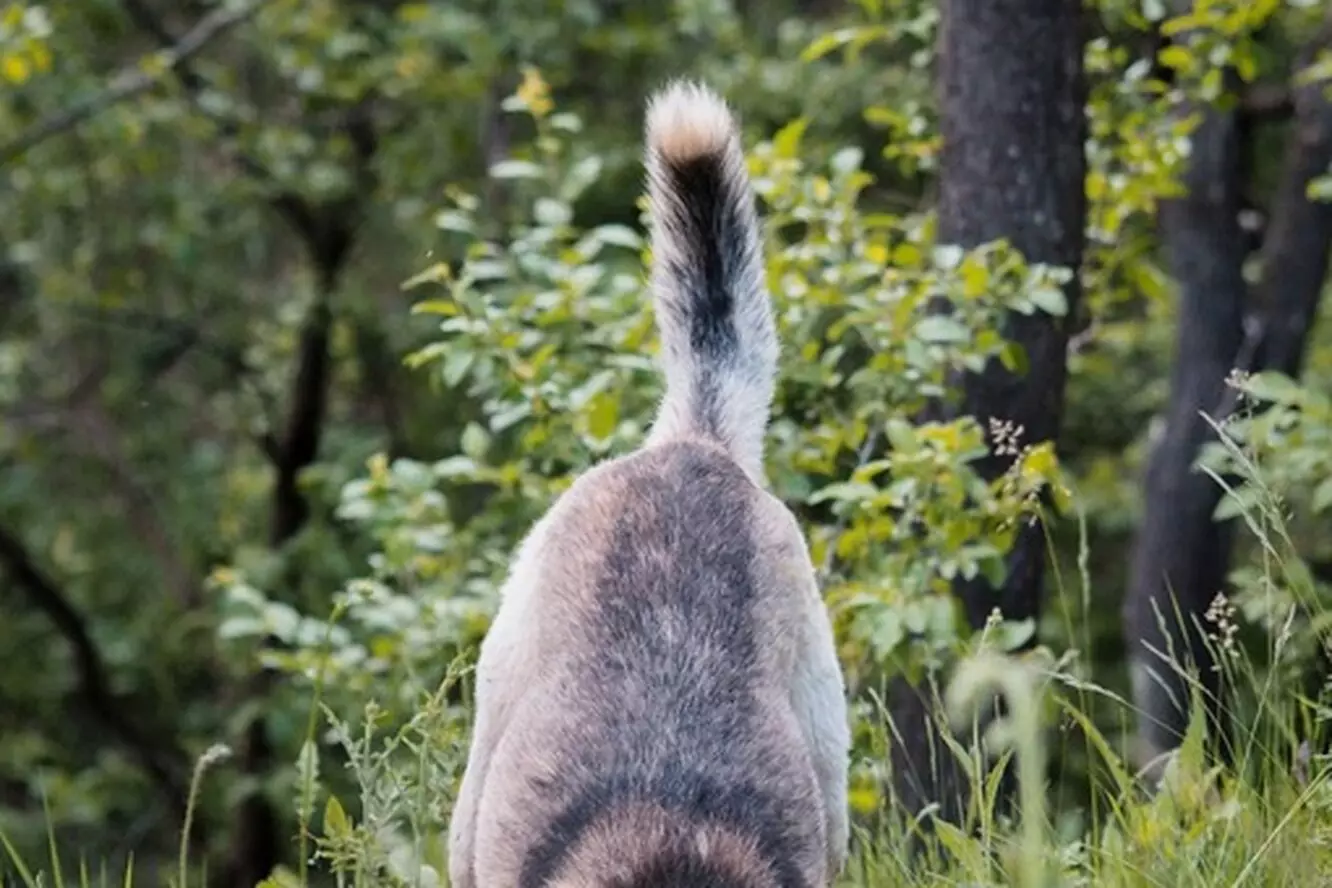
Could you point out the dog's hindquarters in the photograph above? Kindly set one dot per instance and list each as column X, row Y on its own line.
column 719, row 344
column 669, row 686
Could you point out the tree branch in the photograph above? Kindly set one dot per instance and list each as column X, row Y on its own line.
column 1295, row 252
column 131, row 80
column 287, row 204
column 300, row 441
column 185, row 335
column 161, row 764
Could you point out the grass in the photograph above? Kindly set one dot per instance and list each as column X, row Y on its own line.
column 1204, row 827
column 1263, row 822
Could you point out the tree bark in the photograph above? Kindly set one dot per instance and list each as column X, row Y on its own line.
column 1013, row 166
column 1181, row 556
column 1177, row 564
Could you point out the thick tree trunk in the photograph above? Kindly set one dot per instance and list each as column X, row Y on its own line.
column 1182, row 556
column 1013, row 166
column 1178, row 564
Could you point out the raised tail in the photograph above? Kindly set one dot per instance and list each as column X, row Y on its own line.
column 718, row 340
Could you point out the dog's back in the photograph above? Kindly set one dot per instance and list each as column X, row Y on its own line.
column 658, row 702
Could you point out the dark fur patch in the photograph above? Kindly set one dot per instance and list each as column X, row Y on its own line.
column 707, row 222
column 681, row 871
column 682, row 790
column 707, row 219
column 679, row 730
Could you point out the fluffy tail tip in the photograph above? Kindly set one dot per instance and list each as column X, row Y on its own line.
column 686, row 121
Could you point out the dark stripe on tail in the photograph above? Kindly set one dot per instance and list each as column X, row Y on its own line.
column 711, row 232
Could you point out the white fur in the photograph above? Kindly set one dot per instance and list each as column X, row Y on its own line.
column 687, row 120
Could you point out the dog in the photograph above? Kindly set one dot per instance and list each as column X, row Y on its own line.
column 659, row 702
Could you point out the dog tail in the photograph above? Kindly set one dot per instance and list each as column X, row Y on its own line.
column 719, row 345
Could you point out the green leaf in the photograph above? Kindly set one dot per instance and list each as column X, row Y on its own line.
column 826, row 43
column 786, row 144
column 336, row 822
column 552, row 213
column 1010, row 635
column 995, row 571
column 281, row 877
column 515, row 169
column 847, row 160
column 901, row 435
column 487, row 270
column 1322, row 496
column 454, row 220
column 580, row 178
column 619, row 236
column 1320, row 188
column 475, row 441
column 242, row 627
column 1177, row 58
column 1238, row 501
column 887, row 632
column 455, row 467
column 456, row 366
column 843, row 492
column 1050, row 300
column 948, row 256
column 975, row 277
column 566, row 122
column 941, row 328
column 604, row 415
column 307, row 767
column 1014, row 358
column 1274, row 387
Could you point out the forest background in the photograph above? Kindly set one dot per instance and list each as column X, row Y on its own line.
column 307, row 309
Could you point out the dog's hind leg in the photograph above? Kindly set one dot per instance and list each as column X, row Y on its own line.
column 506, row 667
column 818, row 696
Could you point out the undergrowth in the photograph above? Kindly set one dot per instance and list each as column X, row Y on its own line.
column 1266, row 820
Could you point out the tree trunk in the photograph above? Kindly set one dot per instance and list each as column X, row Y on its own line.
column 1013, row 166
column 1182, row 556
column 1177, row 565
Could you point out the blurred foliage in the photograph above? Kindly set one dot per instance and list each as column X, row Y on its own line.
column 456, row 185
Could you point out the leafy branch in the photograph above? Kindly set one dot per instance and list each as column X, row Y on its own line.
column 131, row 80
